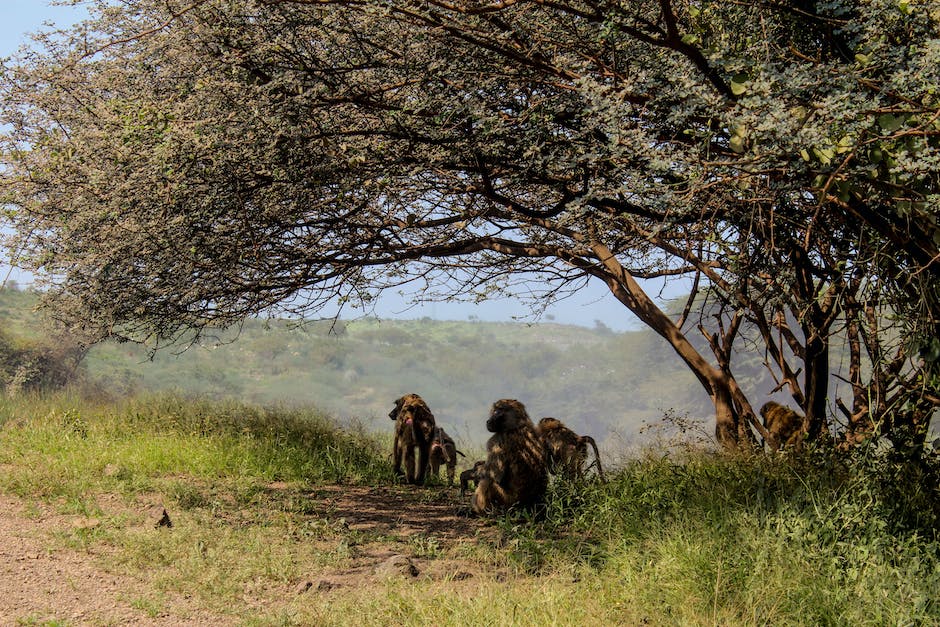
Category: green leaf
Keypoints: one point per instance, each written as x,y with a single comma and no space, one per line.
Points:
738,84
890,123
824,155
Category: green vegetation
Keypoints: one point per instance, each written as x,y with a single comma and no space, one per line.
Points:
693,540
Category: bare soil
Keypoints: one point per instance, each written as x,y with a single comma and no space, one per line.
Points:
42,581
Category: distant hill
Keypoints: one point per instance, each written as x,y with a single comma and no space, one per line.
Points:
600,382
603,383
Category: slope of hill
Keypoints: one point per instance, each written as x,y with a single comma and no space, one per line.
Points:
601,383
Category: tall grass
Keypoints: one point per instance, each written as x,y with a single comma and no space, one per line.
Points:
816,540
692,540
68,445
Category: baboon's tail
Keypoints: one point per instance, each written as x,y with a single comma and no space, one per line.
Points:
597,456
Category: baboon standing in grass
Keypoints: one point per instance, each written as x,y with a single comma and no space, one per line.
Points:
784,424
473,474
567,451
444,451
515,472
414,428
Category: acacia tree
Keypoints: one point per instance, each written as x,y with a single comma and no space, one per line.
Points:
173,165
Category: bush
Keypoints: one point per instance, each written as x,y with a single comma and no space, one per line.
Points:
27,366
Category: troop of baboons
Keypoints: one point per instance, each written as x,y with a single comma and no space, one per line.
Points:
520,455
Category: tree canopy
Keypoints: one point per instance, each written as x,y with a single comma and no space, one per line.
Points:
176,164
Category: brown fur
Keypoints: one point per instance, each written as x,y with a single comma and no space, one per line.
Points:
567,451
414,429
473,474
784,424
444,451
516,471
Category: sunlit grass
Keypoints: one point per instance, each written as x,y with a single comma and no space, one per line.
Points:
699,540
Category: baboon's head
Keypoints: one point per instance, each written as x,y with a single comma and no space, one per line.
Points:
407,407
397,408
770,408
507,414
413,412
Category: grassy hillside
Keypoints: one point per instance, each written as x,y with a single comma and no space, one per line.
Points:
263,535
600,382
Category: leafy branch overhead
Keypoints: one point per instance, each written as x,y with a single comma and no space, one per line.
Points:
176,164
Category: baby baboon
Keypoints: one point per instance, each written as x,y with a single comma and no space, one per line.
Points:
414,428
784,424
471,474
567,451
444,451
515,471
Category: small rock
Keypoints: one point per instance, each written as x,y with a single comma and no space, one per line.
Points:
302,587
397,565
85,523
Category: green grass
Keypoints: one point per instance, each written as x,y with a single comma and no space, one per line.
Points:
696,540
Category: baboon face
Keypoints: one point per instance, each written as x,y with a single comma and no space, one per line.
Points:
412,412
506,415
397,408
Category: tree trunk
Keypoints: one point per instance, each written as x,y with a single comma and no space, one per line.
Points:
717,385
816,387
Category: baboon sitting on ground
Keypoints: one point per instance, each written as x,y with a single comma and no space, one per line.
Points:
473,474
444,451
515,472
567,451
784,424
414,428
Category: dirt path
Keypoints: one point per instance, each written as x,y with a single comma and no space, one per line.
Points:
41,580
39,583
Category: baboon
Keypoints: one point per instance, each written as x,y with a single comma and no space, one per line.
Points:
515,471
567,451
784,424
473,474
444,451
414,428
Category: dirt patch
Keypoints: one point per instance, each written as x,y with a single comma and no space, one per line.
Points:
402,510
42,580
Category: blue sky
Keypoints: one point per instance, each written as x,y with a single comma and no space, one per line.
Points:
20,17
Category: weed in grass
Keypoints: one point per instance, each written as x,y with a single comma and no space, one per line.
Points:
152,607
426,547
35,621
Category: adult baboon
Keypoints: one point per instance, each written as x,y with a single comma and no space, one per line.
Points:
515,472
567,451
444,451
473,474
414,428
784,424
